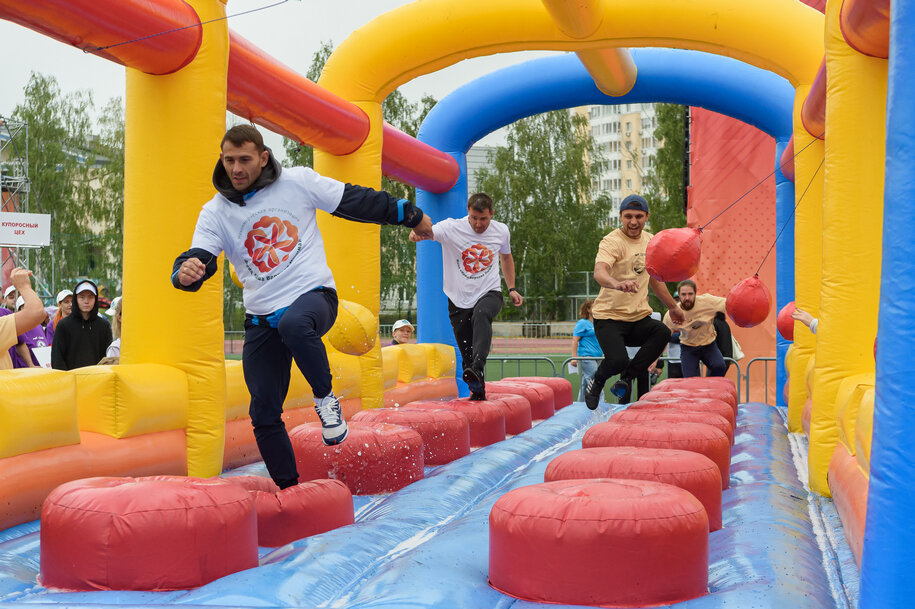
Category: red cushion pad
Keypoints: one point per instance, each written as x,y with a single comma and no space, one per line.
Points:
688,470
298,511
722,394
699,404
562,388
445,433
517,411
152,533
670,415
487,419
696,437
375,458
539,395
630,543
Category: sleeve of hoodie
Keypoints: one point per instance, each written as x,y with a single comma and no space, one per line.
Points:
357,203
206,245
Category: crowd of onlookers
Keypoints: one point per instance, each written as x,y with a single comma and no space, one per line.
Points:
71,333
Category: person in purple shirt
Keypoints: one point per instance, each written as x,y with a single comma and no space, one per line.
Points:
49,324
25,357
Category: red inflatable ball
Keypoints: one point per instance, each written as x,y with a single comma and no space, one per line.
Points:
700,405
376,457
695,437
540,396
705,393
629,543
445,433
673,254
688,470
153,533
670,415
486,418
784,322
296,512
748,302
517,411
562,388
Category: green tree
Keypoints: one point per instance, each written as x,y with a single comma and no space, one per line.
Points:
541,184
664,186
78,179
398,253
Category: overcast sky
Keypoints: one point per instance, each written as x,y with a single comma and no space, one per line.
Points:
290,32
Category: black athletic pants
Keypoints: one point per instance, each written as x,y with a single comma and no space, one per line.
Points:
267,357
614,336
473,329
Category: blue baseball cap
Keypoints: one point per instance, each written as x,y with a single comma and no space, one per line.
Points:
634,202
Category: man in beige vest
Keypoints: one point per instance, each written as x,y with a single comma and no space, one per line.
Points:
622,317
697,332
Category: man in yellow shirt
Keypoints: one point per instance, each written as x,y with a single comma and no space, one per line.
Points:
697,332
30,315
622,317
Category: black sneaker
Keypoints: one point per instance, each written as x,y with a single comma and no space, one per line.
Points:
592,394
474,380
477,396
620,388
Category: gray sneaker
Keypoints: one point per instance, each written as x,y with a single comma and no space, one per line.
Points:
333,425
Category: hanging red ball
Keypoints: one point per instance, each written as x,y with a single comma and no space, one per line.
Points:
749,302
673,254
784,322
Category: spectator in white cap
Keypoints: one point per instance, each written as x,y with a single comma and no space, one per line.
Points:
114,312
11,325
64,308
82,337
9,297
402,332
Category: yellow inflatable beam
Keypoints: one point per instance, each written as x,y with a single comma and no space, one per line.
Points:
784,36
613,70
808,255
853,204
177,119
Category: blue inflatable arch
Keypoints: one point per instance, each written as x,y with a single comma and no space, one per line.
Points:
724,85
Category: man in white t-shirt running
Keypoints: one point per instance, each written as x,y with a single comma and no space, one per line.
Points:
472,283
697,332
263,218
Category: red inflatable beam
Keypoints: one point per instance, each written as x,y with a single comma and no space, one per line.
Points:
813,113
405,159
300,109
89,24
309,114
786,162
866,26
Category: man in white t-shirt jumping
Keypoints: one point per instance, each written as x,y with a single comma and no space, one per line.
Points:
263,218
471,281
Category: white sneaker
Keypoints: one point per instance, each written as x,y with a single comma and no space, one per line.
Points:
333,425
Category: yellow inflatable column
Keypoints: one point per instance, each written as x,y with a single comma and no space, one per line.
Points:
354,249
808,245
174,124
852,233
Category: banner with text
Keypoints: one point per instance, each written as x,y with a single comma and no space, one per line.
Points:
25,230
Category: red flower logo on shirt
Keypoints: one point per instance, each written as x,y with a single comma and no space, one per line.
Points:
270,241
477,258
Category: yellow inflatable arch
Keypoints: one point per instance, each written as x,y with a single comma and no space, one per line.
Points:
783,36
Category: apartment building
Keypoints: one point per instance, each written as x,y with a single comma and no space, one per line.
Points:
625,136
